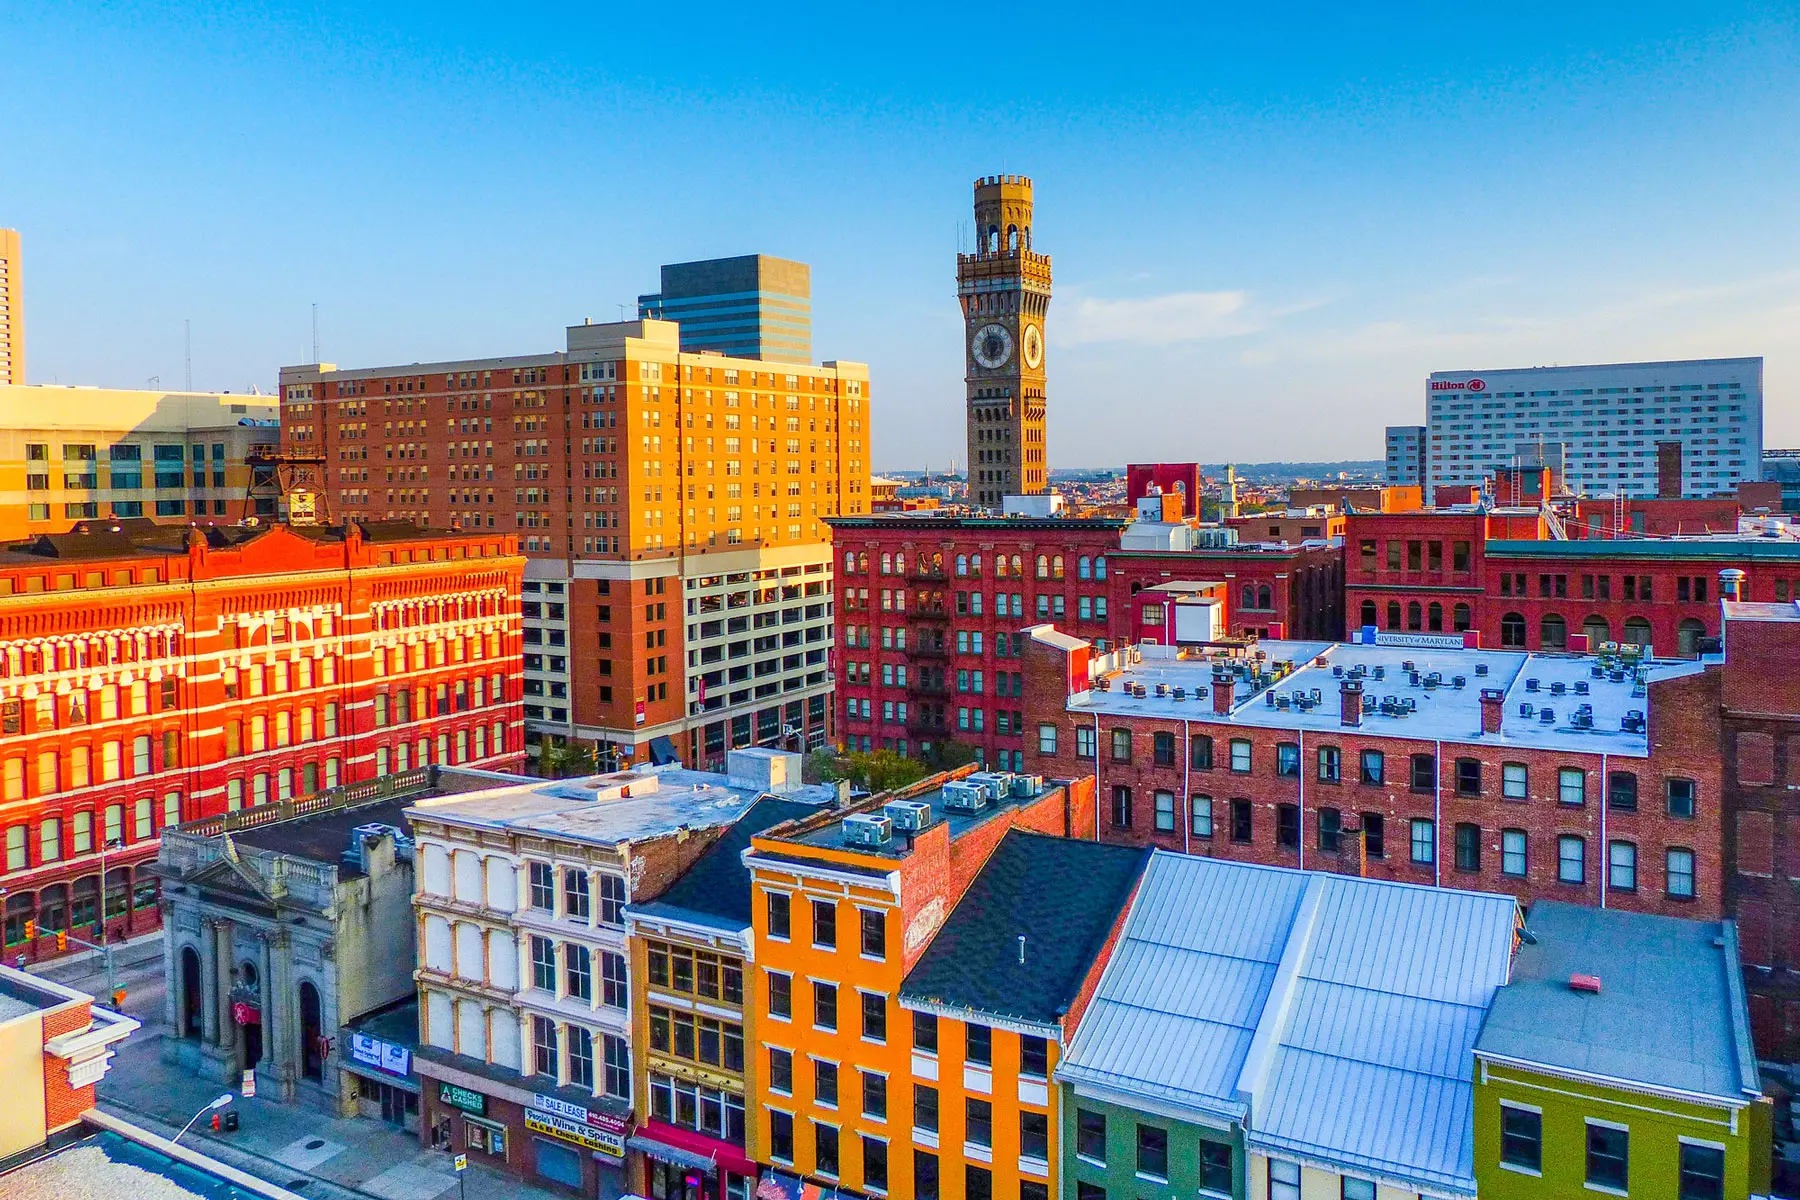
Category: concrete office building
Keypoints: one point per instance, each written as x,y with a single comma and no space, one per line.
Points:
1405,455
70,454
12,310
1690,428
690,578
752,306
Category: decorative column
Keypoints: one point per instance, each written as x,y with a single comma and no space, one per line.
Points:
209,981
222,973
174,1003
279,1041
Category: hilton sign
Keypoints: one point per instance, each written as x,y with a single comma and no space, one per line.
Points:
1458,385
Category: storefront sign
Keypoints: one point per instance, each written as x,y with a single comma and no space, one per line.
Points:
243,1013
463,1098
579,1113
598,1140
385,1056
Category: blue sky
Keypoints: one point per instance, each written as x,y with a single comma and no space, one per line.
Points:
1266,232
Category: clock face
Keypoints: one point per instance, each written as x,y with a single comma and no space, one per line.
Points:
992,347
1034,347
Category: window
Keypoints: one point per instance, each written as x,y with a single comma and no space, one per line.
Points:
1034,1135
1089,1191
1424,773
1571,859
1702,1172
1622,791
1353,1188
1374,827
978,1183
1287,826
618,1067
824,923
1468,777
543,1045
980,1046
824,1005
874,1017
781,1136
1085,744
1121,806
875,1162
1034,1056
612,900
1682,794
781,994
781,1071
1284,1178
1200,752
1165,812
1521,1137
1680,869
1090,1135
925,1175
925,1032
778,915
1571,785
825,1082
1153,1151
1621,866
578,976
1424,841
575,894
1121,745
1468,846
1331,830
1513,781
825,1148
925,1107
1512,853
543,964
978,1116
1162,749
1215,1168
1200,817
1240,756
874,1095
1374,767
1240,821
613,992
581,1057
873,922
1331,764
1046,739
1607,1155
1287,760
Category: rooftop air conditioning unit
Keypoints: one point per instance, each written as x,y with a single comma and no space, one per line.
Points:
964,797
1026,786
993,784
867,829
909,816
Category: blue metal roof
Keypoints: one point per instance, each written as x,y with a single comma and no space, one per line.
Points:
1332,1016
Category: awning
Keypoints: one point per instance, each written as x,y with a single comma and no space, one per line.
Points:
675,1155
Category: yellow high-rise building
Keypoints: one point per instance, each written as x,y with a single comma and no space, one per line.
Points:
12,311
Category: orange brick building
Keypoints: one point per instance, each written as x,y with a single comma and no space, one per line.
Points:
671,505
151,675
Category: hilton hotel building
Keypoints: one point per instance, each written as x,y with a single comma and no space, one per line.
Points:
1606,421
671,506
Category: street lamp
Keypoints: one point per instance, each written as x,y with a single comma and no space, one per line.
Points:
221,1102
112,982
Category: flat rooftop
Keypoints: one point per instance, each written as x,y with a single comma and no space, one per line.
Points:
106,1166
611,809
1296,685
959,821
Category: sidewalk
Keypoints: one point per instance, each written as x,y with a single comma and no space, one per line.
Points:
292,1145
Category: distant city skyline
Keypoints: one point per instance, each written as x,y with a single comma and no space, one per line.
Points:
1266,234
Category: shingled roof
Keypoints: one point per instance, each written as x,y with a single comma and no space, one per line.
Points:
1061,895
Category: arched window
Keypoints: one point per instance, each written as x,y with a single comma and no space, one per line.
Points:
1012,237
1249,596
1084,568
1637,631
1597,630
1018,566
962,564
1512,631
1688,635
1368,612
1393,614
1056,567
849,560
1415,616
1263,595
1434,617
1459,618
1043,566
1553,632
1099,568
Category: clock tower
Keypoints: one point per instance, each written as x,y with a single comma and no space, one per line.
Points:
1004,288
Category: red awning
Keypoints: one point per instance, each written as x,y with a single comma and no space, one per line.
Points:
726,1154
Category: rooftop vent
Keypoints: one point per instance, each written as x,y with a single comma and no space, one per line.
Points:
868,829
1103,684
1531,685
1584,983
1481,668
1181,693
1546,716
1559,688
1380,671
1581,687
1526,709
1459,681
1162,689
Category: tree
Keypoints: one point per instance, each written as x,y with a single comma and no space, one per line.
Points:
883,770
950,754
570,758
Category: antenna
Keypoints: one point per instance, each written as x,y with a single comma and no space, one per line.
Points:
187,350
621,312
315,316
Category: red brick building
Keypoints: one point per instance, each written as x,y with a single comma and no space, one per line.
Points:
151,675
1271,590
1429,764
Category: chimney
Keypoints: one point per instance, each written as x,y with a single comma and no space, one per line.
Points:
1731,584
1493,707
1223,690
1350,694
1668,470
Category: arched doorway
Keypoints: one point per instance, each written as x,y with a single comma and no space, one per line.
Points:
249,980
1512,631
1637,632
1553,632
312,1057
190,993
1597,630
1687,637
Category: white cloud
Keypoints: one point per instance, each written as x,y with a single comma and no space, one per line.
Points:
1160,320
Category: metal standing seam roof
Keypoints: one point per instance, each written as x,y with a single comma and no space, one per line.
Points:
1332,1015
1670,1014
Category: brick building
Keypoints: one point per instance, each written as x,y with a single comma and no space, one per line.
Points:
671,506
1271,590
1593,779
151,675
54,1047
928,612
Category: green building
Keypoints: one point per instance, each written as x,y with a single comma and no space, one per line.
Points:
1618,1060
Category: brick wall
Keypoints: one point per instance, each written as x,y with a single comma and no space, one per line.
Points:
63,1105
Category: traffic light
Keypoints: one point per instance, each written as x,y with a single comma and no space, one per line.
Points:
62,940
31,931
